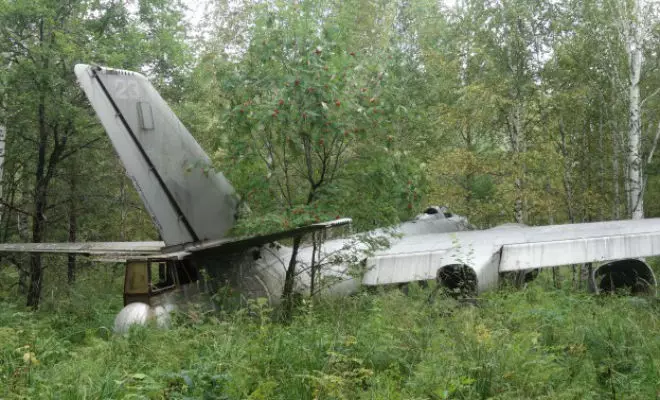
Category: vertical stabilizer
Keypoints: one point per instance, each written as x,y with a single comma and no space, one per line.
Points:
187,200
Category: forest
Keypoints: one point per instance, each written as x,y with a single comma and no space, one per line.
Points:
528,111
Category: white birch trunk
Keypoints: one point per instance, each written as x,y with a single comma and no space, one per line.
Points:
634,39
3,134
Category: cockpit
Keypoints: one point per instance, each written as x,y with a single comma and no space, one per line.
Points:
147,277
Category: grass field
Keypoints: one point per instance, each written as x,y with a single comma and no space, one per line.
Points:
538,342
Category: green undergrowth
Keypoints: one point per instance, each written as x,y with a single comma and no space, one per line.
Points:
537,342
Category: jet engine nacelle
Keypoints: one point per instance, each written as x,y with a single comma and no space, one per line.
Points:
633,275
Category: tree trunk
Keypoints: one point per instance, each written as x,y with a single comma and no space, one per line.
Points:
289,280
516,138
73,227
38,220
616,204
313,267
568,169
601,168
3,133
634,40
44,173
36,272
22,225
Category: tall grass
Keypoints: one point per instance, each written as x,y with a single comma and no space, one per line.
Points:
537,342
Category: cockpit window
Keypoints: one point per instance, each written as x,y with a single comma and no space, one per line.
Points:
161,275
431,211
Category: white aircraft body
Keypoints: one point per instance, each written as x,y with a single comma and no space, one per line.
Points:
193,210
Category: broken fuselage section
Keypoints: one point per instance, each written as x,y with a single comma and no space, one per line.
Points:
209,275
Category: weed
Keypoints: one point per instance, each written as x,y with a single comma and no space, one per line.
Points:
538,342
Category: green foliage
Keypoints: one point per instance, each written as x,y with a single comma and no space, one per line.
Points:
58,168
40,42
485,107
534,343
311,113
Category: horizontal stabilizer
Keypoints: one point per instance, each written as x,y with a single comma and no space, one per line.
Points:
86,248
119,251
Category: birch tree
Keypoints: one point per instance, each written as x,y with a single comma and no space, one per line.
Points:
634,21
633,36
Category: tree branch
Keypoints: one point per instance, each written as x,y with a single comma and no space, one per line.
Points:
66,155
654,146
648,97
14,208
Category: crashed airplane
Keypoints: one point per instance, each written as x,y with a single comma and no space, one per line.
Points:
194,210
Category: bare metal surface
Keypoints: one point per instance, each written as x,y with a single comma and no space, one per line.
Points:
115,249
401,262
244,242
194,207
134,313
563,252
420,257
136,117
141,314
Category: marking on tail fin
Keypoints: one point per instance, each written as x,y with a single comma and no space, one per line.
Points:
151,165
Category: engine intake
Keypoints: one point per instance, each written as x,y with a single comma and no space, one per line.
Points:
458,278
633,275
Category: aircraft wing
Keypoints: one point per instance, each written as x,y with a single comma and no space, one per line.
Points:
104,249
513,248
120,250
522,256
233,244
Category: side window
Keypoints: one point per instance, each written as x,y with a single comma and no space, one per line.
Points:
161,275
187,273
137,281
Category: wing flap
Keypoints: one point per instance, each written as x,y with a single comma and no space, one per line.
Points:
523,256
399,268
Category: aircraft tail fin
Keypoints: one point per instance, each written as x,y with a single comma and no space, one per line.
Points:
187,200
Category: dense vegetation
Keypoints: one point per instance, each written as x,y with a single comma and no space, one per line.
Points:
534,343
532,111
